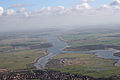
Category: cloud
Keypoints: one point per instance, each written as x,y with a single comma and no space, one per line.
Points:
115,3
82,9
87,0
83,6
20,5
1,11
60,10
13,12
41,11
105,7
21,10
9,12
82,14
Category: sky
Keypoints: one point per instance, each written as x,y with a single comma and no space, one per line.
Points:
36,14
36,4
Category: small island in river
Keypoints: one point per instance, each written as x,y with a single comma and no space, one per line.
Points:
117,54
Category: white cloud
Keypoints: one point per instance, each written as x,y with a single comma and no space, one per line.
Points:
21,10
83,6
115,3
87,0
59,8
82,9
48,11
116,7
20,5
82,14
46,8
10,12
1,11
105,6
41,11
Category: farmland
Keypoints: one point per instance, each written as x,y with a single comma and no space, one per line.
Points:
24,43
86,38
21,59
85,64
21,50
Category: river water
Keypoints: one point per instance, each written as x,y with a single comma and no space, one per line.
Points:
58,46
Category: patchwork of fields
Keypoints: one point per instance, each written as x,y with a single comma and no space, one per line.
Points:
78,38
85,64
19,51
21,59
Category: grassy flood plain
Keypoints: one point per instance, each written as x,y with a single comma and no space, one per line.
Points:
23,43
85,64
78,38
20,59
19,50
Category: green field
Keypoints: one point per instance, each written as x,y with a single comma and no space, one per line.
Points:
77,38
20,60
22,43
85,64
19,50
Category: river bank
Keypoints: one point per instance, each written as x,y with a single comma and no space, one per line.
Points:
59,46
62,58
20,60
92,47
83,63
31,65
117,54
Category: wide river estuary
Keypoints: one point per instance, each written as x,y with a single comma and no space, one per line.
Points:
58,46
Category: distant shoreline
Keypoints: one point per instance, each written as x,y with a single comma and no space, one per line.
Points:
91,47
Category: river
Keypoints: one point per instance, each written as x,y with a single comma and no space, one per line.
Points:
58,46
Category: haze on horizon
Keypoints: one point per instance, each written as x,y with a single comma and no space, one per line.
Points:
16,15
